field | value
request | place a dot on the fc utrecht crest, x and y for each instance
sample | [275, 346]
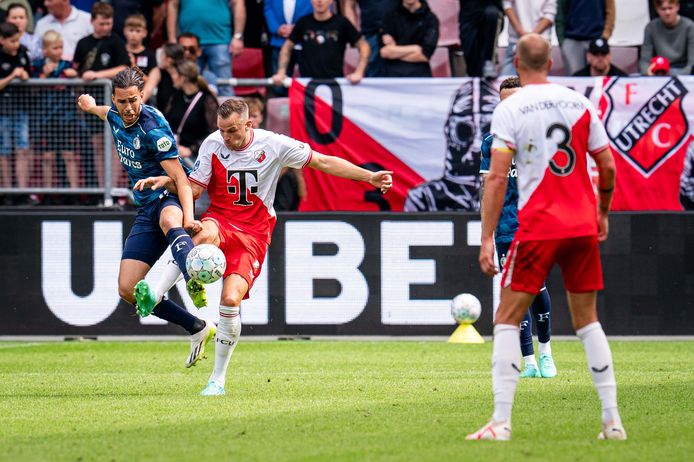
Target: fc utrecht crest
[259, 156]
[651, 129]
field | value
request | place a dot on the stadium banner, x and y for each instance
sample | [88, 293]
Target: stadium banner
[429, 132]
[335, 274]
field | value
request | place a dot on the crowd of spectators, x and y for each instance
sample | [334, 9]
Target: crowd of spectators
[188, 48]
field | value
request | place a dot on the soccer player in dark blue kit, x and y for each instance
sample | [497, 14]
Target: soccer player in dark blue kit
[146, 147]
[503, 236]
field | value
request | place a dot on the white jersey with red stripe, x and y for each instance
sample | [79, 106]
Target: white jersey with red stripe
[242, 183]
[551, 129]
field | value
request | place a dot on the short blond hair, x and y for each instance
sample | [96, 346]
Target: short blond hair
[51, 36]
[136, 20]
[254, 104]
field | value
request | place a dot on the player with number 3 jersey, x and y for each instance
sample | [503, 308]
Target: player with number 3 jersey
[549, 130]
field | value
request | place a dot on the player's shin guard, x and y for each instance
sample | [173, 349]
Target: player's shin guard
[526, 335]
[541, 309]
[169, 311]
[181, 244]
[228, 332]
[505, 369]
[599, 359]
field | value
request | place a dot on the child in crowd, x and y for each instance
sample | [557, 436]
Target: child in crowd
[135, 32]
[56, 128]
[14, 119]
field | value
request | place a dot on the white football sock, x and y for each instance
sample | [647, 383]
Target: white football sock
[599, 359]
[228, 331]
[530, 360]
[505, 370]
[544, 348]
[171, 275]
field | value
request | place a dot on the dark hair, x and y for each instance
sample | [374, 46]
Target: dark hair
[656, 3]
[190, 35]
[173, 51]
[511, 82]
[189, 70]
[7, 30]
[233, 106]
[102, 9]
[129, 77]
[17, 5]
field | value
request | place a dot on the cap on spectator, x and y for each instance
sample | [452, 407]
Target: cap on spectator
[599, 47]
[660, 63]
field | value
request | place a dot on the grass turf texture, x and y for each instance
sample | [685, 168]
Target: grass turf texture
[330, 401]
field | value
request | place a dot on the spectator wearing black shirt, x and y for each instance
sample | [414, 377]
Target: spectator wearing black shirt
[191, 110]
[323, 37]
[101, 55]
[372, 14]
[410, 34]
[599, 61]
[14, 120]
[135, 31]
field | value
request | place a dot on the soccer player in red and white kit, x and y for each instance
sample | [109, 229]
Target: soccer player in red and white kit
[549, 129]
[239, 166]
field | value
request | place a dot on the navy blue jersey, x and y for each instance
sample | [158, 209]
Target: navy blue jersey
[142, 146]
[508, 221]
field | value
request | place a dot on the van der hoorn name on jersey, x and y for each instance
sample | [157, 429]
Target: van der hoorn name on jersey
[648, 114]
[126, 155]
[549, 104]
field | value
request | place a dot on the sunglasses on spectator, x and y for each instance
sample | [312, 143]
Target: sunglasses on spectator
[192, 50]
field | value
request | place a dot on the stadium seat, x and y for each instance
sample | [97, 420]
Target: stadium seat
[277, 119]
[626, 58]
[440, 63]
[447, 12]
[248, 65]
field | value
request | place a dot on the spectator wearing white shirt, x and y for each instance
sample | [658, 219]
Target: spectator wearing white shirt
[524, 17]
[71, 23]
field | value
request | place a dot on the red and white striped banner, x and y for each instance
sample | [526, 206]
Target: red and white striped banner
[429, 132]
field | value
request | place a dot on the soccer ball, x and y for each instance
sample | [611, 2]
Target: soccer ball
[465, 308]
[206, 263]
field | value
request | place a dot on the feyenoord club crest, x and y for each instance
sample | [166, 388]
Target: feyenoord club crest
[646, 123]
[259, 156]
[136, 142]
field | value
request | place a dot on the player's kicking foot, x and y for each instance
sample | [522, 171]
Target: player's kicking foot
[213, 389]
[495, 431]
[547, 367]
[530, 371]
[198, 342]
[145, 297]
[196, 291]
[613, 431]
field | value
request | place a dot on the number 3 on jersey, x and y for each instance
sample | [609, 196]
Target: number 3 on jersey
[238, 186]
[562, 146]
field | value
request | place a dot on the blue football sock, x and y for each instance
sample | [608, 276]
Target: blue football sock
[181, 244]
[169, 311]
[541, 307]
[526, 335]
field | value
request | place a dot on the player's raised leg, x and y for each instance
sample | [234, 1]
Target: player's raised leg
[541, 310]
[228, 332]
[505, 364]
[599, 358]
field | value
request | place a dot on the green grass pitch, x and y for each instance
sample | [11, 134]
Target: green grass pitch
[331, 401]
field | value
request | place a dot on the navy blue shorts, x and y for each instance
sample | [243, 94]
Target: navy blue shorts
[146, 241]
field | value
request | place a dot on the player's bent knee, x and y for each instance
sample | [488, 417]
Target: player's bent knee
[126, 293]
[232, 300]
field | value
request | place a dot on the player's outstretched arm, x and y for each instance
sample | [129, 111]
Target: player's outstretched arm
[157, 182]
[184, 192]
[332, 165]
[88, 104]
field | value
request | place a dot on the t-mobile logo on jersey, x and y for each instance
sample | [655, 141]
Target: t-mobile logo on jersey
[238, 183]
